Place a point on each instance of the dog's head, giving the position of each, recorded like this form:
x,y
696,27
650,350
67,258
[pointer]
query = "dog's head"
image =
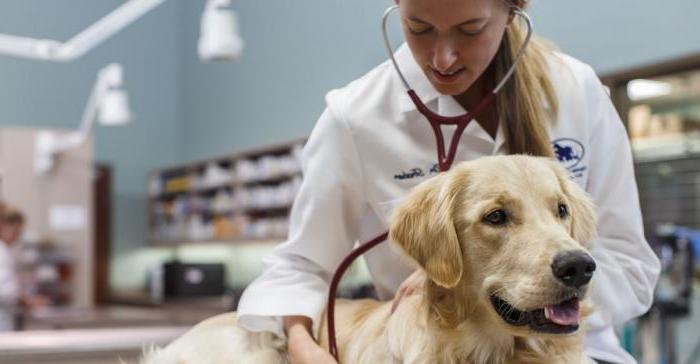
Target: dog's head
x,y
505,235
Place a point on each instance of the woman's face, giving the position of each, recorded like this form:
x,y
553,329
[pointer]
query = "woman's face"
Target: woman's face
x,y
9,233
453,41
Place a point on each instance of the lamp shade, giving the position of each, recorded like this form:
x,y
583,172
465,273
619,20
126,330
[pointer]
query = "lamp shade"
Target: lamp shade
x,y
114,108
219,38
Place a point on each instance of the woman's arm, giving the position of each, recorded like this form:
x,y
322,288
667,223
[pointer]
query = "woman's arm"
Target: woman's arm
x,y
301,346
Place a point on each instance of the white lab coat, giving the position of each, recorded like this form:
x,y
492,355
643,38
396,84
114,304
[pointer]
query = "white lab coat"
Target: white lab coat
x,y
9,288
371,146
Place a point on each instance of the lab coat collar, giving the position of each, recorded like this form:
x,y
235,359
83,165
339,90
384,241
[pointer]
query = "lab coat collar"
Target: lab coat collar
x,y
446,104
416,79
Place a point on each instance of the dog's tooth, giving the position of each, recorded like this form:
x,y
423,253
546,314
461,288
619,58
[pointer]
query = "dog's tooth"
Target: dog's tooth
x,y
546,313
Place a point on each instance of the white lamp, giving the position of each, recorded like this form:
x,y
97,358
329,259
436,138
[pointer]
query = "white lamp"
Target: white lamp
x,y
114,109
219,38
81,43
108,103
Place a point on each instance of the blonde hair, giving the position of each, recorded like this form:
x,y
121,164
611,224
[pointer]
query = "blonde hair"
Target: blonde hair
x,y
521,104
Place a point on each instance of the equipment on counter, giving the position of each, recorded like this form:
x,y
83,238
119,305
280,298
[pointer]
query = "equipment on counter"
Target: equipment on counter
x,y
193,280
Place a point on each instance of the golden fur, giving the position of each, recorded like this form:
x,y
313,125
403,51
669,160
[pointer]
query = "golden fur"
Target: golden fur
x,y
451,320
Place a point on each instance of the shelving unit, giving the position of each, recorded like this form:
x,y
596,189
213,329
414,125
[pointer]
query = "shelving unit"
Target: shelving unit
x,y
245,196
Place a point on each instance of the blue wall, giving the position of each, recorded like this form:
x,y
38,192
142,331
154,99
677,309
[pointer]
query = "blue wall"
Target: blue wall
x,y
34,93
614,35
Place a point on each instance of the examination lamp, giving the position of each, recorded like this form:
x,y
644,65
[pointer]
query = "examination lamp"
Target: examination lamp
x,y
219,38
108,104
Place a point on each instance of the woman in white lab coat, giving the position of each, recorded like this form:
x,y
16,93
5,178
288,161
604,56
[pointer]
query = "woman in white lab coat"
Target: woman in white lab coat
x,y
11,225
371,146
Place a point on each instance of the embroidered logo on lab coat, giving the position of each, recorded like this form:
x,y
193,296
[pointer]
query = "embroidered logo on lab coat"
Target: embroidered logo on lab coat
x,y
570,153
417,172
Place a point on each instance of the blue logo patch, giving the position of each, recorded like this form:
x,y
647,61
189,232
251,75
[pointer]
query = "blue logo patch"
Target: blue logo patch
x,y
570,153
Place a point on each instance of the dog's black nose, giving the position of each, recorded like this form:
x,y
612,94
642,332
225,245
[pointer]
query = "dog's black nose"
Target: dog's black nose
x,y
574,268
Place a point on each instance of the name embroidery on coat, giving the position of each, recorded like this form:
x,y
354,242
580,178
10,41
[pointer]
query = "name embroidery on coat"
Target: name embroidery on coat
x,y
417,172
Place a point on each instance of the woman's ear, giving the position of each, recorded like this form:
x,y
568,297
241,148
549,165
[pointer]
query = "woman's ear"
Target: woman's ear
x,y
514,6
582,209
511,18
423,227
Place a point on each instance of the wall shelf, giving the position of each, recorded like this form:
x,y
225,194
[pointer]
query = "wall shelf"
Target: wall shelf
x,y
232,198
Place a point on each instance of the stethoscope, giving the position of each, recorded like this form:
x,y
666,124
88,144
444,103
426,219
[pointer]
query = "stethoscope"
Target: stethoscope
x,y
445,160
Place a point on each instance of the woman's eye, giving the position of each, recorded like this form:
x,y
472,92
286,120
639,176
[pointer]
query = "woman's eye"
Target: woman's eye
x,y
470,32
419,30
563,210
498,217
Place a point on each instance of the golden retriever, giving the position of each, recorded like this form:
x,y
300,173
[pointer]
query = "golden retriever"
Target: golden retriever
x,y
503,243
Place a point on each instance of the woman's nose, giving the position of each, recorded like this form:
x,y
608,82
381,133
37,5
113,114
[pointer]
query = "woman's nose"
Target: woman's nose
x,y
444,56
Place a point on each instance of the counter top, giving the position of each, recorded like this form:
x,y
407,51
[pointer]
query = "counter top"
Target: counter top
x,y
83,345
172,313
101,335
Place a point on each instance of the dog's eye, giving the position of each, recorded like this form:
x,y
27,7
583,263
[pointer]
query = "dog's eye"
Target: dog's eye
x,y
498,217
563,210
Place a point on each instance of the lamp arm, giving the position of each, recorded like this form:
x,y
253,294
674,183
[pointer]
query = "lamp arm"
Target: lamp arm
x,y
90,113
106,27
24,47
49,144
51,50
109,76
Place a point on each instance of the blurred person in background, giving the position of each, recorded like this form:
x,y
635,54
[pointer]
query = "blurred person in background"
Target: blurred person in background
x,y
11,226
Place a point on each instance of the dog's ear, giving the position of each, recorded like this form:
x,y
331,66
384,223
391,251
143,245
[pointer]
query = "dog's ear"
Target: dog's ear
x,y
423,226
582,209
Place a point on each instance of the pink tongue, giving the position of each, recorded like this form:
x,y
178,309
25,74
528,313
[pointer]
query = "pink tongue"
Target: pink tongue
x,y
565,313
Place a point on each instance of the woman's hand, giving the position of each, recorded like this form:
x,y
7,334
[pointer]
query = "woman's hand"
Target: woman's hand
x,y
411,285
301,346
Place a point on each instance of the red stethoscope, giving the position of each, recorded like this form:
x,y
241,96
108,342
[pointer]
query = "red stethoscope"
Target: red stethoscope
x,y
444,159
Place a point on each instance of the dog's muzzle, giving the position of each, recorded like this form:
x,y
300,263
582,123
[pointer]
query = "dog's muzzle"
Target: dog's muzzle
x,y
561,318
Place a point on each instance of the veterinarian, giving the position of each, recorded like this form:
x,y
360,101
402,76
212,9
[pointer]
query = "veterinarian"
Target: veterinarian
x,y
371,146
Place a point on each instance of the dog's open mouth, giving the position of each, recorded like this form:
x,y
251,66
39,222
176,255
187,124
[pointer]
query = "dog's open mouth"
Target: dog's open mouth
x,y
562,318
